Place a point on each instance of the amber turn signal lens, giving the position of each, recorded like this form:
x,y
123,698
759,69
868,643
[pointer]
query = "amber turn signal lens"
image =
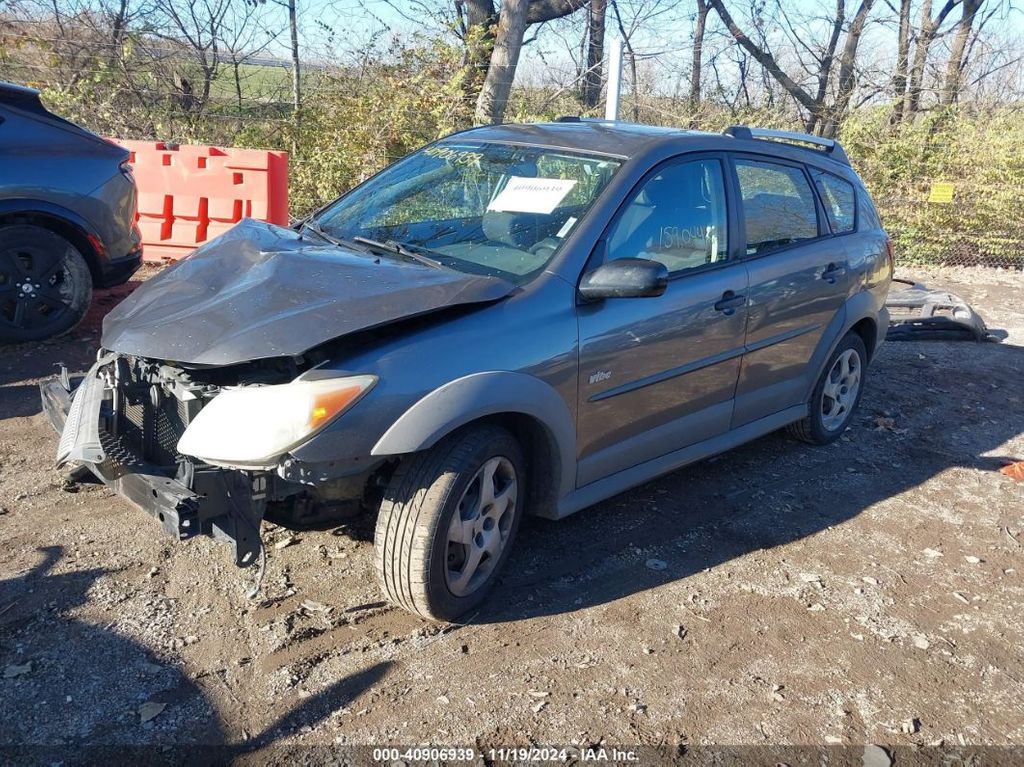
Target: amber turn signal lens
x,y
328,404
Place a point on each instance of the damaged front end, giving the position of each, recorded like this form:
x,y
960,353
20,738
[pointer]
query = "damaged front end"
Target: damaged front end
x,y
123,423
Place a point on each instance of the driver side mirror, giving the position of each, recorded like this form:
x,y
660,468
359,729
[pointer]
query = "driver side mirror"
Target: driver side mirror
x,y
625,278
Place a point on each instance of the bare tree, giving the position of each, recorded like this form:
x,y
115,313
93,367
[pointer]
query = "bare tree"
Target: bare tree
x,y
591,91
699,26
641,14
957,63
822,115
899,76
476,20
490,105
847,70
928,30
293,34
513,19
196,26
245,35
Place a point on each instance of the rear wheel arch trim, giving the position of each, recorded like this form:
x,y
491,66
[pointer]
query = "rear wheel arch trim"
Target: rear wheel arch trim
x,y
869,336
857,309
476,397
59,220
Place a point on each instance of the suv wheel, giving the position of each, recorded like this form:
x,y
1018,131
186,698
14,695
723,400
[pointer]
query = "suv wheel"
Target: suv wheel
x,y
45,285
836,395
448,520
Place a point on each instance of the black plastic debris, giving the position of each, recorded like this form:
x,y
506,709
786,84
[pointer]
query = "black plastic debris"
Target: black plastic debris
x,y
918,313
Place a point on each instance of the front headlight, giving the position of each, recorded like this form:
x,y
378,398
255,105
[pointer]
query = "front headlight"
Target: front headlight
x,y
254,425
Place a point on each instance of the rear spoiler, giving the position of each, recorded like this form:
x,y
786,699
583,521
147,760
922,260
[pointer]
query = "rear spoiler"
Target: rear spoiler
x,y
831,147
26,99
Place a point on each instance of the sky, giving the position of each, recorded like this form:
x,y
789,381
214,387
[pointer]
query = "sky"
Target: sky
x,y
663,40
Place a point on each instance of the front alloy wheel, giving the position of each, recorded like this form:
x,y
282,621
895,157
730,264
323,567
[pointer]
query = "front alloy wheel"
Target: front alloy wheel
x,y
481,528
448,520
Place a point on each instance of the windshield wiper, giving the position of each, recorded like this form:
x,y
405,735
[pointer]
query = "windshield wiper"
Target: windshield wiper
x,y
314,227
390,246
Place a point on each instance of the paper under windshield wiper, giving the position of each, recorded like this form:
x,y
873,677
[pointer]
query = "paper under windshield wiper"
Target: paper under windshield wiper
x,y
399,249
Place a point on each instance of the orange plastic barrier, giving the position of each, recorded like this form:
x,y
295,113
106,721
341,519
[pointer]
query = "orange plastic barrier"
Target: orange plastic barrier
x,y
190,194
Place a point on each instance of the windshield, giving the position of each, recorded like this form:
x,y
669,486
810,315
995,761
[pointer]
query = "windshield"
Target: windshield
x,y
483,208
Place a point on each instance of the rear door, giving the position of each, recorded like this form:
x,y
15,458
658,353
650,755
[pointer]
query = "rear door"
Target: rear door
x,y
658,374
798,281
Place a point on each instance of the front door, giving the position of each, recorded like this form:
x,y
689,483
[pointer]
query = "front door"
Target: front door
x,y
658,374
798,281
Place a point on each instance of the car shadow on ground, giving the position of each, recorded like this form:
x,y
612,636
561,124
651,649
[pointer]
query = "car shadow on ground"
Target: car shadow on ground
x,y
104,718
39,612
770,492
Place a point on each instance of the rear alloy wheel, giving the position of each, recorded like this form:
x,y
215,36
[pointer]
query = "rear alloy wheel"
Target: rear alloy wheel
x,y
45,285
836,394
448,520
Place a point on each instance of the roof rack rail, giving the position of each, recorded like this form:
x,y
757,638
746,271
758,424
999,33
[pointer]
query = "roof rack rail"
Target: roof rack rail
x,y
829,146
581,119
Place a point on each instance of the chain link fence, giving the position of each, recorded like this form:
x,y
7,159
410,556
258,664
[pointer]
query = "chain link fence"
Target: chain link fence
x,y
957,224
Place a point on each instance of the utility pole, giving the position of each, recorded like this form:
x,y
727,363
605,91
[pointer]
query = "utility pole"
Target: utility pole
x,y
611,102
293,28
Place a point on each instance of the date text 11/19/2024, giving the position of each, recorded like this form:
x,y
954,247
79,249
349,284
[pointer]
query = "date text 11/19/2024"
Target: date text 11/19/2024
x,y
552,754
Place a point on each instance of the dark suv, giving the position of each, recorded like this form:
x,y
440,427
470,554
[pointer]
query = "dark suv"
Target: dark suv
x,y
517,318
67,218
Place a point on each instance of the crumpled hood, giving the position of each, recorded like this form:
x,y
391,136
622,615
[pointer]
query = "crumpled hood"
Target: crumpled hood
x,y
261,291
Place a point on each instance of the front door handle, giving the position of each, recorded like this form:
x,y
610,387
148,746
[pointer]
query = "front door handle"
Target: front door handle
x,y
730,302
832,271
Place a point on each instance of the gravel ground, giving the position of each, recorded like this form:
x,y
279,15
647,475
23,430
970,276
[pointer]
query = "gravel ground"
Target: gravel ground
x,y
865,592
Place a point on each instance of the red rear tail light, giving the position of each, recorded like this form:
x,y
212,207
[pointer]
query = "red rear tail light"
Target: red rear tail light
x,y
96,244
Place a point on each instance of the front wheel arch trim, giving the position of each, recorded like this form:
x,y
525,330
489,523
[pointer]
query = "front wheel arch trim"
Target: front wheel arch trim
x,y
480,396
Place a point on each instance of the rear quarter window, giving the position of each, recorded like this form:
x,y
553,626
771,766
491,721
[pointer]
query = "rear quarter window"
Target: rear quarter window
x,y
840,200
869,218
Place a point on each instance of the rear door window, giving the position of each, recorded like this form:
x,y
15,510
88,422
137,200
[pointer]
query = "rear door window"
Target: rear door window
x,y
840,201
778,205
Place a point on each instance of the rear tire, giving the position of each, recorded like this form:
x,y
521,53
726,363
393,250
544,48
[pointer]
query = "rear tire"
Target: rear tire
x,y
45,284
448,521
836,395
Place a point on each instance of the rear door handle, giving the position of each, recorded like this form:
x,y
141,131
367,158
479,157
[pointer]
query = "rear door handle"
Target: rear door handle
x,y
832,271
730,302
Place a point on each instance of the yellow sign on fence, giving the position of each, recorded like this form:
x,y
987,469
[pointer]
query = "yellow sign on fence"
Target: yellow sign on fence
x,y
942,192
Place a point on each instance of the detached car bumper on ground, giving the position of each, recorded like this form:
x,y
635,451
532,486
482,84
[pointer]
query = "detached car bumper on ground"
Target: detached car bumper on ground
x,y
517,319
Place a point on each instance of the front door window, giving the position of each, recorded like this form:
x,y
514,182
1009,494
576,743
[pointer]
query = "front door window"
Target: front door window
x,y
678,217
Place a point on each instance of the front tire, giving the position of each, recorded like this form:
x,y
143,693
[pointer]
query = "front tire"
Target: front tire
x,y
836,394
45,284
448,520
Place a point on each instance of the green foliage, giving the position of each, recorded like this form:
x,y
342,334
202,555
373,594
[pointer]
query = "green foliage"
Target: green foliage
x,y
980,151
352,126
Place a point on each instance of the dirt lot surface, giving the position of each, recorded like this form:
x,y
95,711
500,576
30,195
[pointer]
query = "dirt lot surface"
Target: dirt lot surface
x,y
866,592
